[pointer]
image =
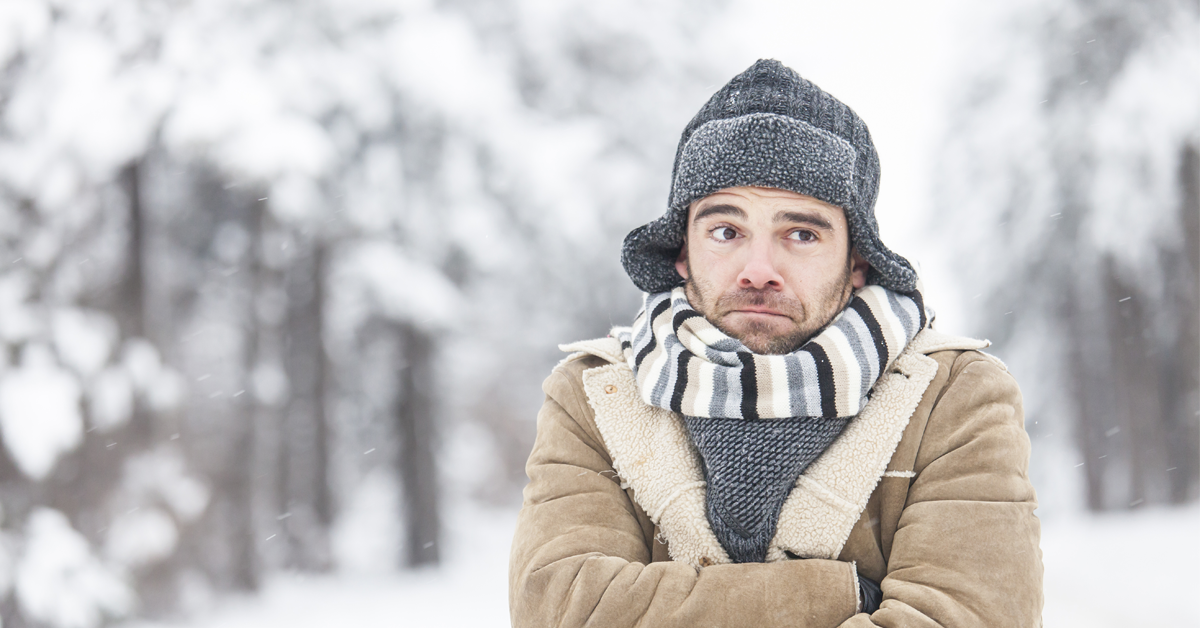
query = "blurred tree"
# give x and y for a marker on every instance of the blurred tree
(247, 241)
(418, 466)
(1069, 186)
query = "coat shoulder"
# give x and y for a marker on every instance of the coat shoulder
(953, 351)
(607, 349)
(566, 380)
(973, 397)
(564, 386)
(567, 376)
(565, 383)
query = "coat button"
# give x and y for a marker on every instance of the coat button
(706, 561)
(610, 389)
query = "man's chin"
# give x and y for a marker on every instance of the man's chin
(771, 346)
(767, 339)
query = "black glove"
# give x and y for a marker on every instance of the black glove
(870, 593)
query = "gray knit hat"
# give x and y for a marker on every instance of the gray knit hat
(769, 127)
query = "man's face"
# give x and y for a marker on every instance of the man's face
(768, 267)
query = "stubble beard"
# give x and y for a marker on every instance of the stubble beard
(760, 336)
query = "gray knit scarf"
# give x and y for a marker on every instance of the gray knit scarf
(758, 421)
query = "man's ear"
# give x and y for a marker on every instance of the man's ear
(858, 269)
(681, 265)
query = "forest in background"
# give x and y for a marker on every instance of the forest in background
(1072, 178)
(257, 252)
(260, 259)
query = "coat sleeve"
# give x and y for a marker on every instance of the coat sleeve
(965, 552)
(581, 557)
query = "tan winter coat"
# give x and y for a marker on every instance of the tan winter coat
(926, 492)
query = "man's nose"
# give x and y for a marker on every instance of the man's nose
(760, 273)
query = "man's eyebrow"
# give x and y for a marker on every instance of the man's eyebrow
(815, 220)
(719, 210)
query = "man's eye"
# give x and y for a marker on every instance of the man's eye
(724, 233)
(803, 235)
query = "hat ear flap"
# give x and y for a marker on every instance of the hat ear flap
(650, 251)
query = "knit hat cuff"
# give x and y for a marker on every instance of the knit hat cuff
(765, 150)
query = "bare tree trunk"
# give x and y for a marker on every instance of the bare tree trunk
(239, 483)
(217, 430)
(1138, 388)
(83, 479)
(1135, 372)
(1088, 361)
(236, 486)
(1181, 368)
(268, 308)
(10, 613)
(417, 431)
(131, 314)
(130, 309)
(305, 472)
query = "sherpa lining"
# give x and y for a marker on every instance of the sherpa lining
(829, 497)
(652, 454)
(899, 474)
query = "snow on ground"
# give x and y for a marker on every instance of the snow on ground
(469, 590)
(1125, 569)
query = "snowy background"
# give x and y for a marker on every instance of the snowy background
(279, 280)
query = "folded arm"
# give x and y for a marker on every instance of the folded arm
(965, 552)
(581, 555)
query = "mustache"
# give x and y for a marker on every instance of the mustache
(758, 298)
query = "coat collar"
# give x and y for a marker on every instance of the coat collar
(653, 455)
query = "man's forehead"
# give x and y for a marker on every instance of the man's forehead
(750, 197)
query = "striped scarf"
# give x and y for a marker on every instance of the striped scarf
(685, 364)
(785, 409)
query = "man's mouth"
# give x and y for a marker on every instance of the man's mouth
(765, 311)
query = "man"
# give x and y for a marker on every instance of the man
(780, 439)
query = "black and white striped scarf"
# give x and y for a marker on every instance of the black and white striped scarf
(685, 364)
(759, 420)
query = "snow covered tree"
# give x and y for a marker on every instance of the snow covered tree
(256, 252)
(1070, 187)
